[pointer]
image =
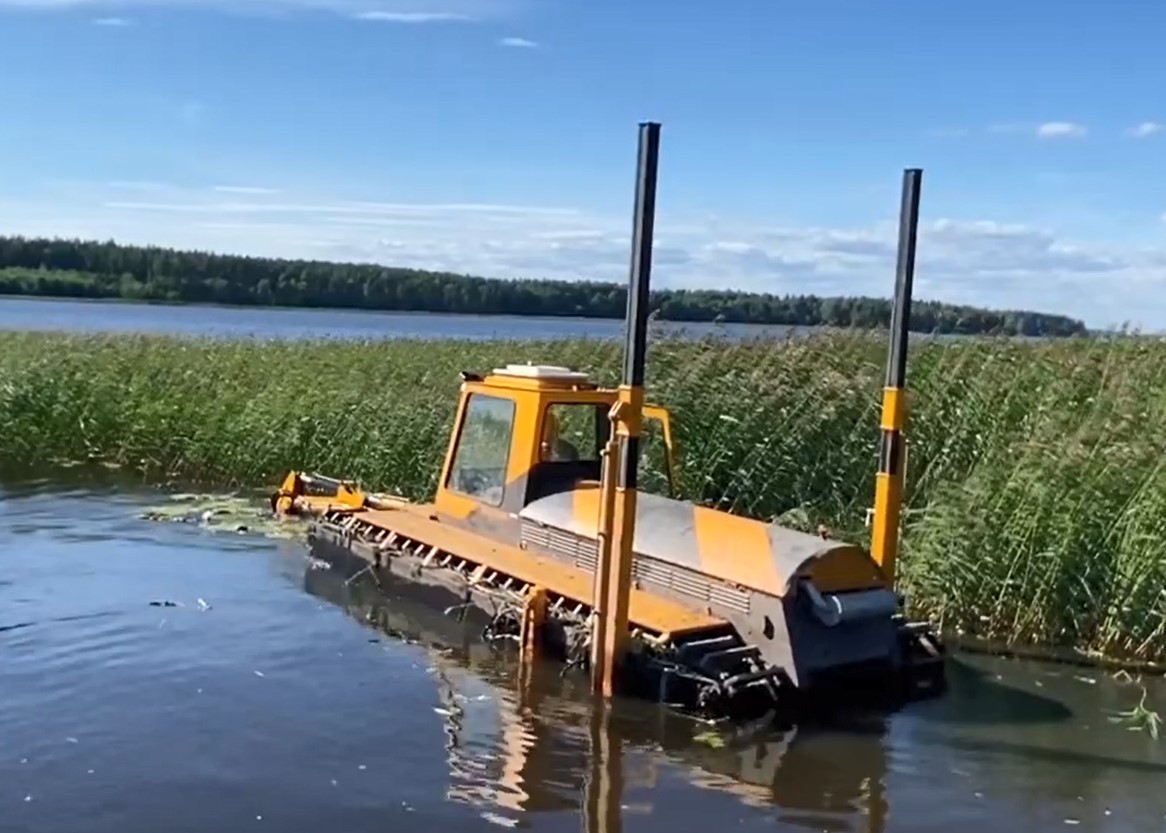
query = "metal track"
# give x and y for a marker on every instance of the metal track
(712, 672)
(924, 658)
(381, 546)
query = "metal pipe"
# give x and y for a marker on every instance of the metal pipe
(606, 531)
(643, 227)
(628, 421)
(904, 277)
(889, 481)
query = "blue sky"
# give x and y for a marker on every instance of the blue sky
(498, 137)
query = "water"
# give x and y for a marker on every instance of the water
(266, 322)
(283, 707)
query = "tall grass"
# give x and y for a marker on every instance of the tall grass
(1036, 488)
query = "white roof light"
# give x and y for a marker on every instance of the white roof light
(541, 371)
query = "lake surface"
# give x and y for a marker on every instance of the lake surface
(296, 702)
(265, 322)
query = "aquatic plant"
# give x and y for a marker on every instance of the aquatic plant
(1036, 484)
(1140, 718)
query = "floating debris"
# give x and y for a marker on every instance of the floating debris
(1139, 718)
(711, 739)
(501, 821)
(223, 513)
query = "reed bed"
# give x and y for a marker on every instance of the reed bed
(1036, 485)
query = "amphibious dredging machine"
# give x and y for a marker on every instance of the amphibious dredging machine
(551, 543)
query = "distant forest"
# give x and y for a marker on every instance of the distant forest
(90, 269)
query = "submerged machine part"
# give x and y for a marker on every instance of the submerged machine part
(538, 524)
(523, 749)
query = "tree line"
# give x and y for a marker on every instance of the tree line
(94, 269)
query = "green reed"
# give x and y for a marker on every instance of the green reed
(1037, 470)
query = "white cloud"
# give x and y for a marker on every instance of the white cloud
(1047, 130)
(1145, 129)
(112, 21)
(960, 260)
(1060, 130)
(518, 43)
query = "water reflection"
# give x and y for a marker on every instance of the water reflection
(532, 745)
(539, 743)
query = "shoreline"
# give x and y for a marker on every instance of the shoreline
(712, 325)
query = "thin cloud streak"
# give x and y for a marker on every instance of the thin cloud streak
(387, 11)
(412, 17)
(246, 189)
(1146, 129)
(137, 185)
(1060, 130)
(341, 208)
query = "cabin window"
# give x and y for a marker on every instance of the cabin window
(479, 463)
(573, 433)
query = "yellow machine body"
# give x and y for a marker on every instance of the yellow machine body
(539, 522)
(517, 512)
